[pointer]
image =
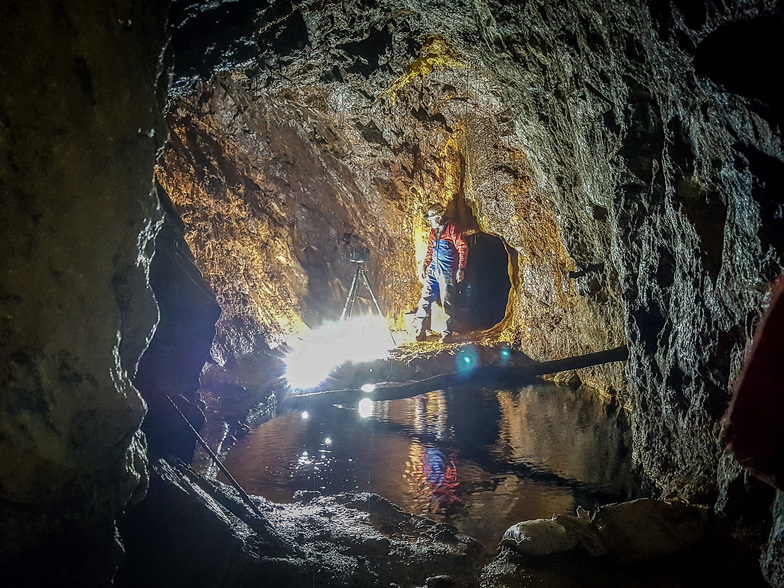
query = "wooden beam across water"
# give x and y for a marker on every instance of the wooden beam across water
(484, 375)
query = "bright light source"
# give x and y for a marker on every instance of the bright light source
(368, 388)
(305, 415)
(365, 408)
(317, 353)
(328, 441)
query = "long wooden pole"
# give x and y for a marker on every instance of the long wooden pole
(484, 375)
(217, 461)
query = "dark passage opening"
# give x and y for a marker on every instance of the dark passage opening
(740, 56)
(483, 294)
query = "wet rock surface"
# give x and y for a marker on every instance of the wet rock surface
(80, 123)
(643, 542)
(631, 531)
(344, 540)
(359, 539)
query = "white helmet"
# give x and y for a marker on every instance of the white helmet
(434, 210)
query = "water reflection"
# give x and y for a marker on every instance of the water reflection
(564, 433)
(438, 480)
(429, 415)
(480, 459)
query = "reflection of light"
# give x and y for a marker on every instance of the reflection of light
(317, 353)
(429, 414)
(365, 408)
(305, 415)
(328, 441)
(368, 388)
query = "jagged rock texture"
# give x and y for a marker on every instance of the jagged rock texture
(594, 140)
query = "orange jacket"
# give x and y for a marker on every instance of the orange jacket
(453, 235)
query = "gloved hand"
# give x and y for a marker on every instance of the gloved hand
(459, 275)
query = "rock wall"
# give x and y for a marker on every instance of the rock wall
(169, 369)
(275, 163)
(79, 130)
(620, 151)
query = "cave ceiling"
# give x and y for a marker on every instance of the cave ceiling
(604, 146)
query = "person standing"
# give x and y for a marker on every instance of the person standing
(443, 267)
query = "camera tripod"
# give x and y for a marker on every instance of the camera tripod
(352, 295)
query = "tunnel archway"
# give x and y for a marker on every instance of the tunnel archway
(483, 295)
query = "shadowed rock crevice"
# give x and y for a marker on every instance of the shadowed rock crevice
(172, 362)
(735, 56)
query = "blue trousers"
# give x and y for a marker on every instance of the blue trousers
(438, 287)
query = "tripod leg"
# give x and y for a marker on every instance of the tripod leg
(372, 295)
(375, 301)
(352, 295)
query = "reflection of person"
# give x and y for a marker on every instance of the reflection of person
(441, 475)
(444, 266)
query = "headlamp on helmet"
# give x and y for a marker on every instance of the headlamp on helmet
(435, 210)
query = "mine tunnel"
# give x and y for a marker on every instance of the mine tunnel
(482, 300)
(191, 191)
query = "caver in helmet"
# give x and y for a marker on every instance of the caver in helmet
(435, 212)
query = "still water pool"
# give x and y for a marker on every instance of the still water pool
(479, 459)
